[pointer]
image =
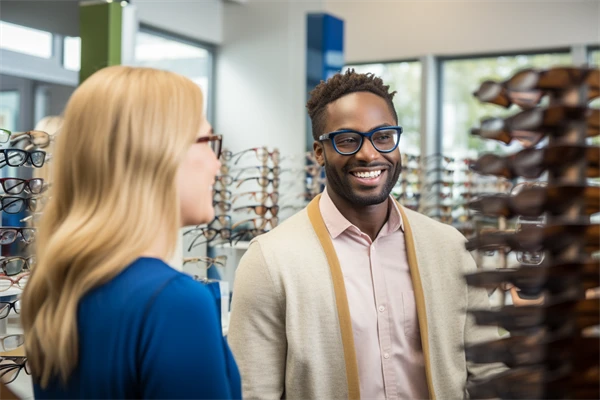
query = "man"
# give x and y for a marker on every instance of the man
(356, 296)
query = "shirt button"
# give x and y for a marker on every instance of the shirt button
(381, 308)
(386, 355)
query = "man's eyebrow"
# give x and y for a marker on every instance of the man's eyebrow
(372, 129)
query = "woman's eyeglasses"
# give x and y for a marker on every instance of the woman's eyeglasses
(17, 185)
(10, 234)
(15, 265)
(6, 282)
(14, 205)
(10, 367)
(348, 142)
(5, 308)
(215, 142)
(17, 157)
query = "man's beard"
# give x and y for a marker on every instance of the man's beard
(340, 184)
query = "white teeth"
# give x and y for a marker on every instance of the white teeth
(371, 174)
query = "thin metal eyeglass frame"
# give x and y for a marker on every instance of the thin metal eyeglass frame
(369, 135)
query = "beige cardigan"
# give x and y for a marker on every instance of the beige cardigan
(290, 328)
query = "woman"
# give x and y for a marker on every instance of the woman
(104, 316)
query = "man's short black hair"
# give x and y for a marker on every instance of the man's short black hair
(340, 85)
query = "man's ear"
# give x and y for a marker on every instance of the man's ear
(318, 149)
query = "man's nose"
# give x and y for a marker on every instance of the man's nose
(367, 152)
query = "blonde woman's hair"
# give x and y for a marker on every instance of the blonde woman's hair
(125, 132)
(51, 125)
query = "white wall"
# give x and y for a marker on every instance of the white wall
(400, 29)
(260, 93)
(198, 19)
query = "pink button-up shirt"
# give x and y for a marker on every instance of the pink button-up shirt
(382, 306)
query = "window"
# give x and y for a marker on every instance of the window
(461, 111)
(162, 51)
(72, 53)
(405, 79)
(25, 40)
(594, 57)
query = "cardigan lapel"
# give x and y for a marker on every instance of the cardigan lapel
(341, 299)
(415, 275)
(345, 321)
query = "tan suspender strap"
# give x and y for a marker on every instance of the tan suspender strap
(419, 297)
(341, 299)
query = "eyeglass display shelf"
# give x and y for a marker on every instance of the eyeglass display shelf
(11, 292)
(241, 245)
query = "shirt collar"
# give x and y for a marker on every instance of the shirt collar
(337, 224)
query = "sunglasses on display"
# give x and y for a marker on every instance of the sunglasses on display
(540, 382)
(495, 93)
(262, 154)
(14, 205)
(9, 234)
(215, 142)
(260, 197)
(258, 223)
(531, 163)
(536, 200)
(17, 185)
(6, 282)
(533, 280)
(531, 126)
(262, 181)
(559, 78)
(582, 313)
(553, 238)
(18, 158)
(218, 261)
(260, 209)
(10, 367)
(348, 142)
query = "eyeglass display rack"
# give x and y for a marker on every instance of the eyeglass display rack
(553, 348)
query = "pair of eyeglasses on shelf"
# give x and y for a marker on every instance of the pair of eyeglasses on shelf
(15, 265)
(14, 205)
(222, 194)
(6, 306)
(5, 135)
(408, 196)
(18, 158)
(314, 170)
(262, 154)
(531, 126)
(11, 342)
(223, 181)
(445, 173)
(263, 171)
(17, 185)
(533, 280)
(260, 197)
(259, 209)
(206, 262)
(246, 234)
(258, 223)
(534, 201)
(347, 142)
(35, 138)
(531, 163)
(9, 234)
(208, 234)
(10, 367)
(222, 206)
(262, 181)
(6, 282)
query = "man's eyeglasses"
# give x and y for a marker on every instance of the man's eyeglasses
(15, 265)
(10, 234)
(348, 142)
(532, 162)
(215, 142)
(14, 205)
(17, 185)
(17, 157)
